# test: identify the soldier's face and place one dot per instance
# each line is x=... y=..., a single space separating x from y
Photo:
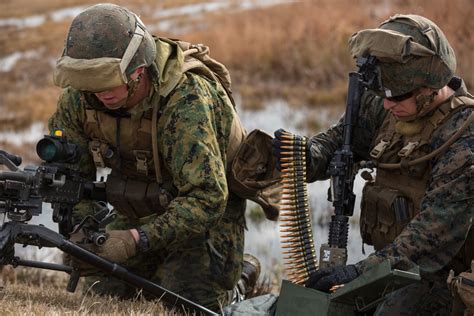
x=401 y=107
x=115 y=98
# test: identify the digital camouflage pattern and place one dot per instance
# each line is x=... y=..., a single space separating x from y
x=197 y=244
x=436 y=234
x=426 y=298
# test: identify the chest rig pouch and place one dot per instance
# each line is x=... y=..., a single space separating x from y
x=393 y=198
x=123 y=144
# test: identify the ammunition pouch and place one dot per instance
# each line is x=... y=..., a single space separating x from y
x=136 y=198
x=252 y=174
x=384 y=214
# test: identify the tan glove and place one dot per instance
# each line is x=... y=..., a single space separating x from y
x=119 y=246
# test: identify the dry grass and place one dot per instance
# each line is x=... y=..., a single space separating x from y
x=299 y=51
x=40 y=292
x=21 y=8
x=24 y=299
x=296 y=51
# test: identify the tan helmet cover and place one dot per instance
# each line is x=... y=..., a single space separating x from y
x=386 y=45
x=93 y=75
x=413 y=53
x=102 y=73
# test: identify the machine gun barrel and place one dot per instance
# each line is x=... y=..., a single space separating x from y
x=16 y=160
x=353 y=105
x=17 y=176
x=341 y=169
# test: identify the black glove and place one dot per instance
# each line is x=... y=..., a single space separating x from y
x=277 y=150
x=326 y=278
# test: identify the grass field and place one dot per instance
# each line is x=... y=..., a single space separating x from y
x=24 y=299
x=294 y=51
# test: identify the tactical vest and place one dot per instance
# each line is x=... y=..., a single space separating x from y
x=391 y=200
x=139 y=185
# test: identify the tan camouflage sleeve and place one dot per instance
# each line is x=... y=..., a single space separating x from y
x=193 y=133
x=436 y=234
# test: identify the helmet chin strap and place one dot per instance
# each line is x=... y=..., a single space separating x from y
x=424 y=103
x=132 y=87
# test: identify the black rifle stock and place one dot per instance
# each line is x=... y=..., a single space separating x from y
x=341 y=166
x=22 y=193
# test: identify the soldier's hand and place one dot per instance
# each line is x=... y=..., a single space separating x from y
x=119 y=246
x=276 y=147
x=279 y=140
x=325 y=279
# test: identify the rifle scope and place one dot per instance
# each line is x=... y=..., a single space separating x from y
x=56 y=148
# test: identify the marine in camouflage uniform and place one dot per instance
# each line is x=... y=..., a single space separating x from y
x=420 y=214
x=191 y=227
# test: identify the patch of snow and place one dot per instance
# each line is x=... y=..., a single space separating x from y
x=30 y=21
x=7 y=63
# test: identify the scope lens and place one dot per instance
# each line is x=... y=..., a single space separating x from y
x=46 y=149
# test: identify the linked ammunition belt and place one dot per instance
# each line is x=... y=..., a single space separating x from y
x=295 y=218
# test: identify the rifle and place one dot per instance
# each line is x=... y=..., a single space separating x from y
x=56 y=181
x=341 y=166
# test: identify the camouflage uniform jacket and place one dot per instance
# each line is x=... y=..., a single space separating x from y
x=434 y=236
x=193 y=134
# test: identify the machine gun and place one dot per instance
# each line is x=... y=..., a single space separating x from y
x=57 y=181
x=341 y=166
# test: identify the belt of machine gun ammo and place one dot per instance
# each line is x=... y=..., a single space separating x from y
x=295 y=218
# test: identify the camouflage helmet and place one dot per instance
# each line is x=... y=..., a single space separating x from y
x=104 y=39
x=413 y=53
x=105 y=30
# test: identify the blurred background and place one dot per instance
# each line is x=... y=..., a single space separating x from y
x=288 y=60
